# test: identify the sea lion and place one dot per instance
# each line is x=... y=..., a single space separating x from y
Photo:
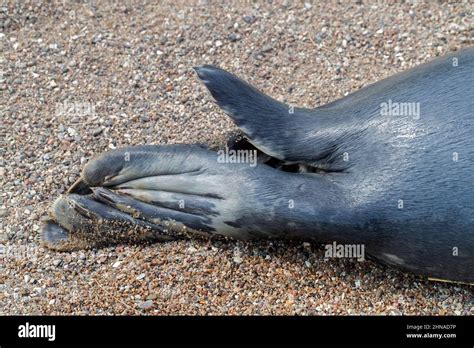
x=389 y=167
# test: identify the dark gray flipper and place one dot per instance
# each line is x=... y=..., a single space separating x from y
x=154 y=214
x=54 y=236
x=407 y=198
x=184 y=202
x=118 y=166
x=290 y=134
x=80 y=222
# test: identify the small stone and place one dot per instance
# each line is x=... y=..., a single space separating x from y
x=267 y=48
x=378 y=293
x=96 y=39
x=234 y=37
x=192 y=249
x=145 y=305
x=152 y=297
x=453 y=27
x=71 y=131
x=97 y=131
x=218 y=43
x=56 y=262
x=357 y=283
x=249 y=19
x=307 y=264
x=116 y=264
x=140 y=277
x=102 y=258
x=237 y=259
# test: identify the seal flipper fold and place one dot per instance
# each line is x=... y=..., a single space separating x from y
x=122 y=165
x=79 y=222
x=174 y=219
x=88 y=215
x=79 y=187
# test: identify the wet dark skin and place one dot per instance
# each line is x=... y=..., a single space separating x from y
x=397 y=180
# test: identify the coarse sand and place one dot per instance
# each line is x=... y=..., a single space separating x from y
x=80 y=78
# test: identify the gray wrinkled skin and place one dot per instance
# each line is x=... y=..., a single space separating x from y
x=401 y=185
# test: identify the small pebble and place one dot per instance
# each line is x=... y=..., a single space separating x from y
x=97 y=131
x=133 y=84
x=146 y=305
x=234 y=37
x=116 y=264
x=249 y=19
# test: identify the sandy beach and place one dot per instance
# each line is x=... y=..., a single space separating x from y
x=78 y=79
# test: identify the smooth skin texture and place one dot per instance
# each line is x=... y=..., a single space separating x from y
x=400 y=184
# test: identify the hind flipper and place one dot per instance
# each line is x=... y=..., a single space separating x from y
x=79 y=222
x=162 y=207
x=147 y=193
x=290 y=134
x=122 y=165
x=56 y=237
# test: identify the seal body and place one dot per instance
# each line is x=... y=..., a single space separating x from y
x=388 y=167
